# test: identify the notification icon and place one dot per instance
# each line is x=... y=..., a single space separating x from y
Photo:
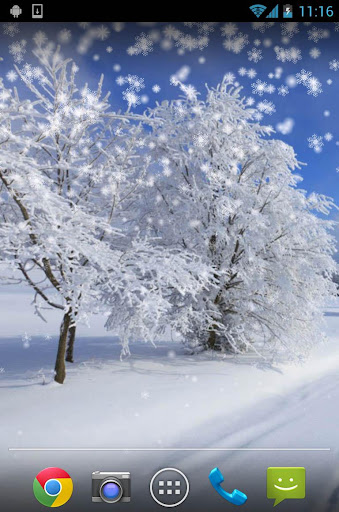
x=37 y=11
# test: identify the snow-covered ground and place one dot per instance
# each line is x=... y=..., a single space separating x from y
x=162 y=398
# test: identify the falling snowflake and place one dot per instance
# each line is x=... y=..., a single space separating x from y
x=143 y=45
x=156 y=88
x=255 y=55
x=134 y=85
x=286 y=126
x=242 y=71
x=229 y=78
x=84 y=24
x=102 y=33
x=288 y=54
x=26 y=340
x=200 y=140
x=11 y=76
x=118 y=26
x=270 y=89
x=266 y=107
x=131 y=97
x=181 y=75
x=109 y=49
x=135 y=82
x=315 y=142
x=328 y=136
x=18 y=50
x=189 y=91
x=283 y=90
x=11 y=29
x=250 y=101
x=64 y=36
x=171 y=354
x=289 y=29
x=204 y=27
x=315 y=53
x=251 y=73
x=236 y=43
x=334 y=64
x=259 y=87
x=315 y=34
x=145 y=395
x=258 y=116
x=267 y=42
x=314 y=86
x=278 y=72
x=30 y=73
x=187 y=42
x=120 y=80
x=262 y=26
x=303 y=77
x=229 y=29
x=40 y=38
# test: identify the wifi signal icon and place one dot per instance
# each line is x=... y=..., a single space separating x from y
x=258 y=9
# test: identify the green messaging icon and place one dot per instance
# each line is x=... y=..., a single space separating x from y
x=286 y=484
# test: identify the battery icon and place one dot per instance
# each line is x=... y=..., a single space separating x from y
x=288 y=11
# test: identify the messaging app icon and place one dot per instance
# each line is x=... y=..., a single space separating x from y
x=286 y=484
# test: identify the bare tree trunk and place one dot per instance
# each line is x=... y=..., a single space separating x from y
x=70 y=344
x=212 y=338
x=60 y=366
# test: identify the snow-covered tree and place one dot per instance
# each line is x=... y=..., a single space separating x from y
x=59 y=178
x=70 y=173
x=228 y=193
x=195 y=222
x=141 y=303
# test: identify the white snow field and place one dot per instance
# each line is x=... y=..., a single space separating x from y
x=162 y=398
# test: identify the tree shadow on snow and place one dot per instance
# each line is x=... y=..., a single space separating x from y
x=35 y=363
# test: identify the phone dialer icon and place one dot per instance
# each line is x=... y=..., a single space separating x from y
x=236 y=497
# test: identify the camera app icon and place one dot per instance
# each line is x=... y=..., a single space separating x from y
x=111 y=487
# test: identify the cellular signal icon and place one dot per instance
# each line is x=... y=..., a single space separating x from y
x=258 y=9
x=274 y=13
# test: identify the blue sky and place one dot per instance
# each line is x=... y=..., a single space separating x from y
x=108 y=51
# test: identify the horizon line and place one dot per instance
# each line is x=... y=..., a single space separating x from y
x=190 y=449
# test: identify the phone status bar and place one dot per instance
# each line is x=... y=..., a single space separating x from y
x=241 y=12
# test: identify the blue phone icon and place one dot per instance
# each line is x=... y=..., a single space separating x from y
x=236 y=497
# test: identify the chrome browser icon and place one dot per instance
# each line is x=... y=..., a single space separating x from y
x=53 y=487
